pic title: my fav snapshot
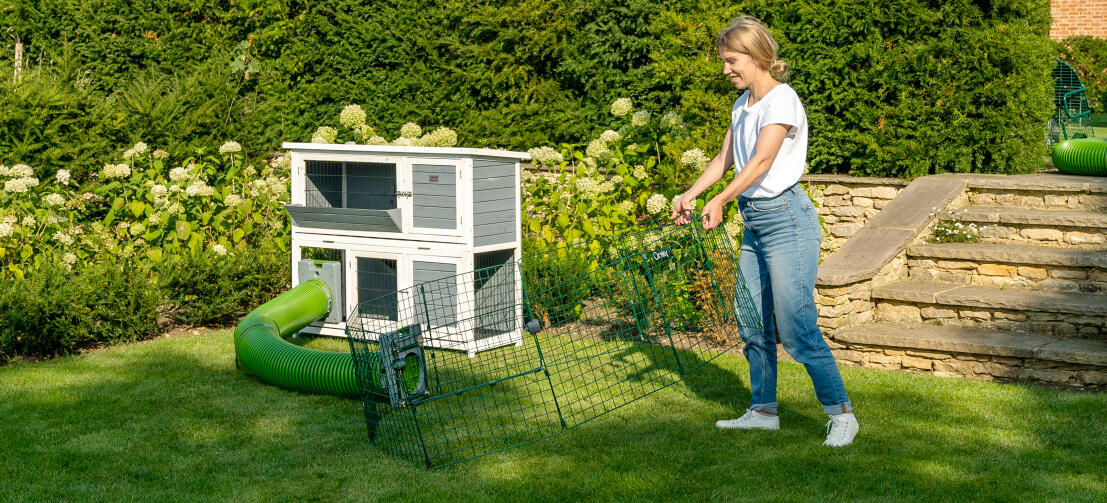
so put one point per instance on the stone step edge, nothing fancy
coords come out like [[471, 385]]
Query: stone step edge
[[975, 341], [1038, 182], [953, 294], [1020, 216], [1010, 254]]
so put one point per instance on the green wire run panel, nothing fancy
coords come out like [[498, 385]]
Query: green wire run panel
[[602, 323]]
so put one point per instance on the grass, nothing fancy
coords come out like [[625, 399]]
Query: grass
[[173, 419]]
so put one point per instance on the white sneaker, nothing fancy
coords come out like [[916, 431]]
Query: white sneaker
[[840, 430], [751, 420]]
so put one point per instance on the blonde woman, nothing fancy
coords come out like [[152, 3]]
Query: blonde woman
[[767, 144]]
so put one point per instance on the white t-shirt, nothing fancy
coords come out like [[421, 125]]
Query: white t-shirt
[[781, 105]]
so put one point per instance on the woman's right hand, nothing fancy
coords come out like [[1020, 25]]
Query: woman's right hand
[[682, 210]]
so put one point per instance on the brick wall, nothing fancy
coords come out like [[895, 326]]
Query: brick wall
[[1078, 17]]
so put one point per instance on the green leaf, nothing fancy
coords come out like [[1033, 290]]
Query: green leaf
[[183, 230], [237, 235], [138, 208]]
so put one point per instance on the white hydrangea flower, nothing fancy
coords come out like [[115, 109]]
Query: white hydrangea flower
[[140, 148], [232, 200], [53, 199], [352, 116], [10, 219], [154, 219], [621, 107], [29, 221], [218, 249], [694, 158], [597, 148], [610, 136], [230, 147], [327, 133], [160, 154], [733, 227], [587, 185], [318, 139], [6, 229], [617, 179], [640, 118], [63, 238], [656, 204], [20, 185], [671, 120], [199, 188], [250, 171], [158, 190], [176, 209], [115, 171], [545, 156], [178, 174], [138, 229], [69, 259], [376, 140], [404, 141], [4, 171], [607, 186], [440, 137], [52, 219], [627, 207], [21, 170], [410, 130], [640, 172]]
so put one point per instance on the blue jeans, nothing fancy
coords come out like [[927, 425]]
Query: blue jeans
[[779, 258]]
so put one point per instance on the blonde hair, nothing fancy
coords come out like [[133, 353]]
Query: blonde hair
[[748, 36]]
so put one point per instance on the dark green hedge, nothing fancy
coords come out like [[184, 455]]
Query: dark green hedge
[[900, 87]]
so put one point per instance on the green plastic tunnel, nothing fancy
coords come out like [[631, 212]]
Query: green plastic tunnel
[[1084, 156], [259, 342]]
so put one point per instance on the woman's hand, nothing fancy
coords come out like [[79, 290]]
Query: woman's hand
[[712, 214], [682, 210]]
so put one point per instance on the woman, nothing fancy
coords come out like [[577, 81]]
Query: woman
[[767, 143]]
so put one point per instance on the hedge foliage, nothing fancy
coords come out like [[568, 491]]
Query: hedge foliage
[[897, 87]]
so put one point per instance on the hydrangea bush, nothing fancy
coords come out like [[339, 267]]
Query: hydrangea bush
[[142, 206], [626, 175], [354, 130]]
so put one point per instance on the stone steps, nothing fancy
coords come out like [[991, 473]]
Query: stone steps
[[1001, 224], [1065, 314], [1044, 190], [987, 354], [1010, 265]]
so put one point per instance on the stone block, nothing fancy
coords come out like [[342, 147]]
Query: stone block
[[930, 355], [883, 359], [1076, 274], [1063, 285], [844, 230], [912, 362], [1031, 202], [1081, 238], [880, 203], [848, 355], [997, 232], [898, 313], [1000, 370], [1094, 377], [983, 199], [1007, 200], [925, 263], [957, 264], [835, 311], [1047, 375], [997, 270], [952, 277], [894, 352], [957, 367], [823, 300], [847, 211], [937, 312], [1003, 315], [865, 296], [832, 323], [875, 192], [863, 202], [837, 201], [976, 315], [1056, 200], [1033, 272], [1042, 234], [834, 189]]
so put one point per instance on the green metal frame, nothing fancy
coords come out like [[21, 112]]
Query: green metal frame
[[599, 324], [1071, 111]]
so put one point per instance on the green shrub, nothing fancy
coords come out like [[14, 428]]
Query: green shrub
[[56, 311], [210, 289], [1088, 55], [892, 88]]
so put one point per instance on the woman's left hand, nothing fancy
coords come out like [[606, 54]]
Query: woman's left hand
[[712, 214]]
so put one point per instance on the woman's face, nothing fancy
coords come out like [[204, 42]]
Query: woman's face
[[740, 68]]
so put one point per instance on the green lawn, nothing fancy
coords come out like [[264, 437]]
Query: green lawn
[[173, 419]]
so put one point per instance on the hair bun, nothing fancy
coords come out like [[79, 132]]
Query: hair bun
[[780, 69]]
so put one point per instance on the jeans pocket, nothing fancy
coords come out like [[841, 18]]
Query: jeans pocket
[[768, 205]]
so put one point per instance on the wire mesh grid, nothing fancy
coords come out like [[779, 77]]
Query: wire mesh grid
[[360, 185], [519, 351]]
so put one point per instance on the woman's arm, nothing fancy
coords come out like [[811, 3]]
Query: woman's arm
[[714, 171], [769, 140]]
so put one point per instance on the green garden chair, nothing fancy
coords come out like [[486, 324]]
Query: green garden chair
[[1071, 112]]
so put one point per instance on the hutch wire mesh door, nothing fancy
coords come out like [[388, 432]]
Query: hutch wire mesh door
[[606, 322]]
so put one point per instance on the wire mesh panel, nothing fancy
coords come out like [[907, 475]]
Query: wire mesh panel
[[598, 324]]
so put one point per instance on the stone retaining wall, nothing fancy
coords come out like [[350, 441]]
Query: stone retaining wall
[[1036, 200], [1036, 276], [979, 367], [847, 203], [1059, 324]]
